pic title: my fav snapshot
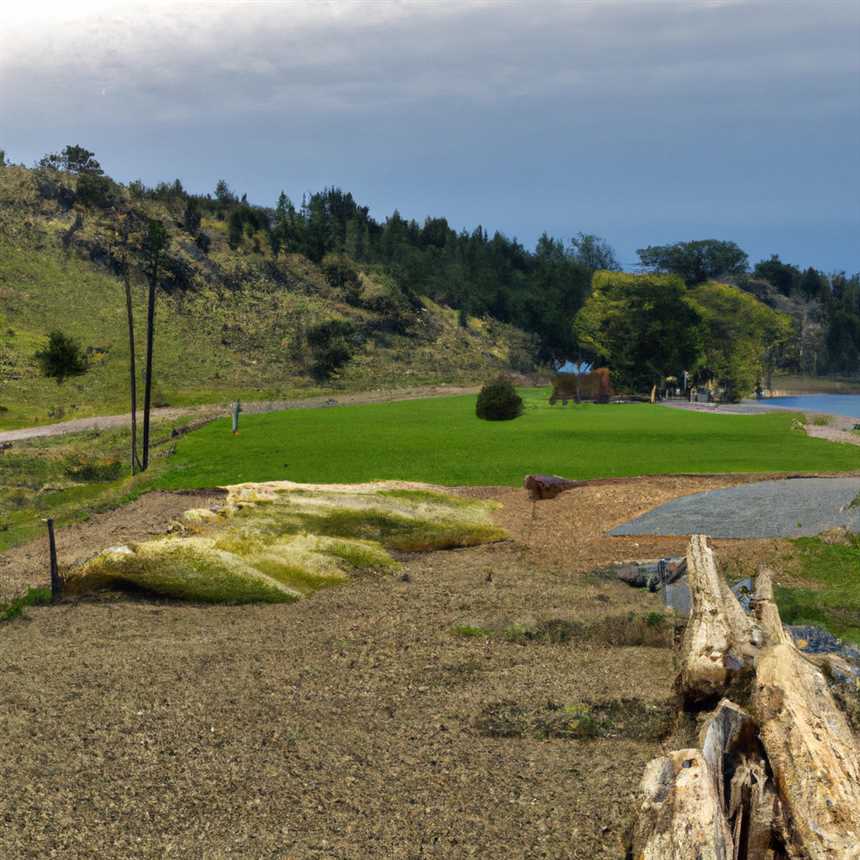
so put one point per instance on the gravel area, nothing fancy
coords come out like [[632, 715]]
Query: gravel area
[[767, 509]]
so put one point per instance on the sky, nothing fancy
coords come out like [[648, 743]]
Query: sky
[[642, 122]]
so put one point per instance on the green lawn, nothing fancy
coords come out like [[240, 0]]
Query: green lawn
[[441, 441], [835, 604]]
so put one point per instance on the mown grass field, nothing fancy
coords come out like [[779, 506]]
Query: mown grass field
[[441, 441], [835, 602]]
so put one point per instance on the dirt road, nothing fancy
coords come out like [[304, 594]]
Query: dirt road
[[103, 422]]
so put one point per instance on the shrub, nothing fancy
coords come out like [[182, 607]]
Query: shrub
[[62, 357], [499, 401], [341, 274], [332, 344], [83, 469], [96, 191]]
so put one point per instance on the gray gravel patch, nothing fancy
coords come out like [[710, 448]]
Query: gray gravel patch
[[796, 507]]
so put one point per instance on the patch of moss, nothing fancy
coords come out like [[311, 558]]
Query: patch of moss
[[190, 569], [361, 555], [472, 631], [435, 498], [276, 542]]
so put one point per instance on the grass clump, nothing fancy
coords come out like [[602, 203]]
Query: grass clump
[[472, 631], [631, 719], [11, 609], [191, 569]]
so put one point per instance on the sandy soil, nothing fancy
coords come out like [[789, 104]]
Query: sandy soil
[[344, 726]]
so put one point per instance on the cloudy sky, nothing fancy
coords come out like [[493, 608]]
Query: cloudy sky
[[644, 122]]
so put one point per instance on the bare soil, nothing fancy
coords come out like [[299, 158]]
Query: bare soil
[[151, 514], [355, 724]]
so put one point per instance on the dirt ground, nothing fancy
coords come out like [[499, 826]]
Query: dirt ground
[[27, 564], [349, 725]]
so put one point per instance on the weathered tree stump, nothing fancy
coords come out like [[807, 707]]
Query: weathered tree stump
[[681, 815], [809, 744], [720, 640]]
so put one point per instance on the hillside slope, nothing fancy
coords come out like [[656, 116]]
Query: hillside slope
[[231, 321]]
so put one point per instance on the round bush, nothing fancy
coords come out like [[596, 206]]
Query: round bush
[[499, 401]]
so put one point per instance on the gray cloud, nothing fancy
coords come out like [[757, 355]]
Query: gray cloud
[[622, 116]]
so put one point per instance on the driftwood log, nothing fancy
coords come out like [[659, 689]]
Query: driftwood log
[[720, 639], [681, 814], [777, 781], [810, 746], [734, 754]]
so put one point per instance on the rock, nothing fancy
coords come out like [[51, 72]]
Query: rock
[[632, 575], [676, 596], [672, 569], [547, 486], [838, 536], [743, 589]]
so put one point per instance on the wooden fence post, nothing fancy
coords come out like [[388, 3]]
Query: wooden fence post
[[56, 582]]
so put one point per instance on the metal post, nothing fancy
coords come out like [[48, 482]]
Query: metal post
[[56, 582]]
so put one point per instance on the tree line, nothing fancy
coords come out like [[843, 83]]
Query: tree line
[[478, 273]]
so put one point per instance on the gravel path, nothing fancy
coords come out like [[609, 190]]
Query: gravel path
[[104, 422], [769, 509]]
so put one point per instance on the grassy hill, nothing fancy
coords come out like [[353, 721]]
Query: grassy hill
[[232, 321]]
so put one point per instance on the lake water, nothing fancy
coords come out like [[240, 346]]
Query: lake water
[[832, 404]]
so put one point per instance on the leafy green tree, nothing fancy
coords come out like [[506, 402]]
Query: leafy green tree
[[741, 337], [499, 401], [593, 252], [332, 344], [96, 191], [191, 217], [783, 276], [695, 262], [642, 326], [62, 357], [73, 159], [234, 229], [813, 284]]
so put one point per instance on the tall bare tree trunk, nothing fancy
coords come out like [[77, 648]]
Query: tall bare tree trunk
[[147, 391], [132, 361], [155, 243]]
